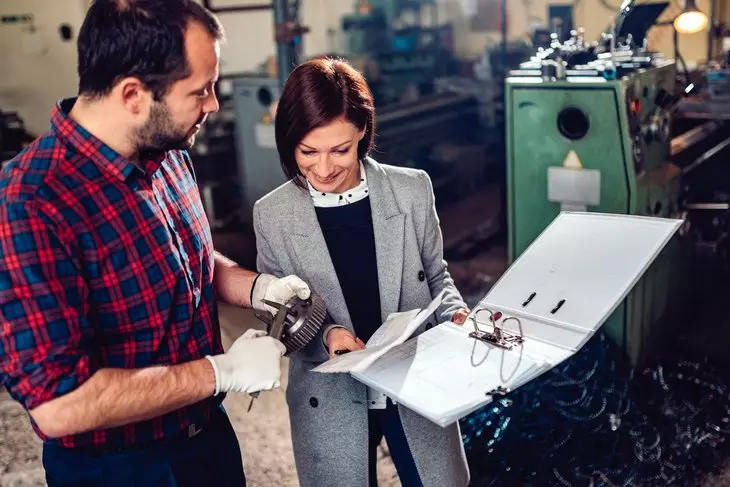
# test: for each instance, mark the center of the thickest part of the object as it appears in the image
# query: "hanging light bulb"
(691, 20)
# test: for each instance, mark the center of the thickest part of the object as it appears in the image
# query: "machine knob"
(664, 99)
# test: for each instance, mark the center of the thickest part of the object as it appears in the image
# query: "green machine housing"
(583, 141)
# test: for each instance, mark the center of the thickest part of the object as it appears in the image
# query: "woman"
(366, 238)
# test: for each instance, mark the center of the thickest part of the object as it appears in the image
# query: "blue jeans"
(210, 458)
(386, 422)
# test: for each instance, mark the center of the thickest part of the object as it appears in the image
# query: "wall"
(38, 69)
(32, 82)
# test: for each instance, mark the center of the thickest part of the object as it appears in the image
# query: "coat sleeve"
(267, 263)
(432, 257)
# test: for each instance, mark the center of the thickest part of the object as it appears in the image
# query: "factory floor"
(264, 432)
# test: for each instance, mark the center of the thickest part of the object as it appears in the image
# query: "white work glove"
(253, 363)
(279, 290)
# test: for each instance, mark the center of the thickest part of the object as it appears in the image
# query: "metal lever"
(274, 328)
(498, 336)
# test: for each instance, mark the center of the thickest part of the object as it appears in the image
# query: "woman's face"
(327, 156)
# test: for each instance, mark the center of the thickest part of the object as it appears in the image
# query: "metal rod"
(686, 140)
(236, 8)
(708, 206)
(285, 51)
(706, 156)
(504, 33)
(710, 32)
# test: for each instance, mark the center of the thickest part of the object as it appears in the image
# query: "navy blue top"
(348, 231)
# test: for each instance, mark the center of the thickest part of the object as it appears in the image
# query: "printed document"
(397, 329)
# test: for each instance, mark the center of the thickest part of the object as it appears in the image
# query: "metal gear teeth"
(308, 331)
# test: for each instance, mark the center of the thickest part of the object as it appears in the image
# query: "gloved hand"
(280, 290)
(253, 363)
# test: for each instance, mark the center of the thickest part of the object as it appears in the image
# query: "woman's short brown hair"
(316, 93)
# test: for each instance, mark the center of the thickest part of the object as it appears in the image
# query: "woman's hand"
(459, 316)
(339, 339)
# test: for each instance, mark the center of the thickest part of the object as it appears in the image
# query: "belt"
(193, 430)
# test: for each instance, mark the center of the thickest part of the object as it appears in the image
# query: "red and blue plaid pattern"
(102, 264)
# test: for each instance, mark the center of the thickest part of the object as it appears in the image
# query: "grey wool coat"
(328, 412)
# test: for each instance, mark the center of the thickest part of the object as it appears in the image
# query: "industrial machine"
(588, 129)
(397, 51)
(259, 170)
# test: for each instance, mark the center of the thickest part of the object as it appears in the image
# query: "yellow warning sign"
(572, 161)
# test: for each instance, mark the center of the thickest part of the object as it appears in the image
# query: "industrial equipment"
(410, 134)
(13, 135)
(588, 129)
(295, 324)
(396, 55)
(259, 171)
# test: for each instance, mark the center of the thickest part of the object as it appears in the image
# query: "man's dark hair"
(316, 93)
(140, 38)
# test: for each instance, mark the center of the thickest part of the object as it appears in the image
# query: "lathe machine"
(588, 129)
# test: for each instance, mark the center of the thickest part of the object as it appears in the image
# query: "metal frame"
(286, 29)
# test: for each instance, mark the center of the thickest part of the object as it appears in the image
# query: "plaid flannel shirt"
(102, 264)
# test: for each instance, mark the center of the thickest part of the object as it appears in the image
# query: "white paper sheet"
(397, 329)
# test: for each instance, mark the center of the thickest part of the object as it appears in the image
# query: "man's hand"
(340, 339)
(252, 364)
(280, 290)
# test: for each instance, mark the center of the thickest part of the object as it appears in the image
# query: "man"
(109, 332)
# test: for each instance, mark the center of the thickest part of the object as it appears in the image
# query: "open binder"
(545, 307)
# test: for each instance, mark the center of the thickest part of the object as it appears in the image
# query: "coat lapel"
(389, 227)
(314, 259)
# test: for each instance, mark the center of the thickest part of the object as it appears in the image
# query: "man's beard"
(161, 133)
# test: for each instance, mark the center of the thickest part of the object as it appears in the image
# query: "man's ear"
(134, 95)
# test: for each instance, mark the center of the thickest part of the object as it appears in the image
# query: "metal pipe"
(237, 8)
(707, 206)
(504, 33)
(706, 156)
(686, 140)
(710, 31)
(285, 51)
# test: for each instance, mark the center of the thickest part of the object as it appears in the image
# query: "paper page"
(393, 328)
(387, 336)
(396, 330)
(443, 374)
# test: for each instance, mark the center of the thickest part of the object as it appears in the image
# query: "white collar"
(329, 200)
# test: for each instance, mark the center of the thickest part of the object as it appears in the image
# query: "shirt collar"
(82, 141)
(329, 200)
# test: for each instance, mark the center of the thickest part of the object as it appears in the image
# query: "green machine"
(588, 129)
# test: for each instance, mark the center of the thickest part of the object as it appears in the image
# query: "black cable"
(678, 55)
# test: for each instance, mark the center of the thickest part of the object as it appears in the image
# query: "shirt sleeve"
(45, 333)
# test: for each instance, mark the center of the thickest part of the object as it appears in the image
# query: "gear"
(296, 323)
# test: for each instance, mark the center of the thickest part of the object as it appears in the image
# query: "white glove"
(279, 290)
(253, 363)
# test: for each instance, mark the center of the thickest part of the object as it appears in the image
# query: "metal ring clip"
(498, 336)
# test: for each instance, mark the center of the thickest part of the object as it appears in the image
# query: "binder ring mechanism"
(498, 337)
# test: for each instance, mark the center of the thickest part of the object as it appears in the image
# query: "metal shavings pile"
(588, 422)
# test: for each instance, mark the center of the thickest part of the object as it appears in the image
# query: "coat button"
(429, 326)
(313, 402)
(421, 276)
